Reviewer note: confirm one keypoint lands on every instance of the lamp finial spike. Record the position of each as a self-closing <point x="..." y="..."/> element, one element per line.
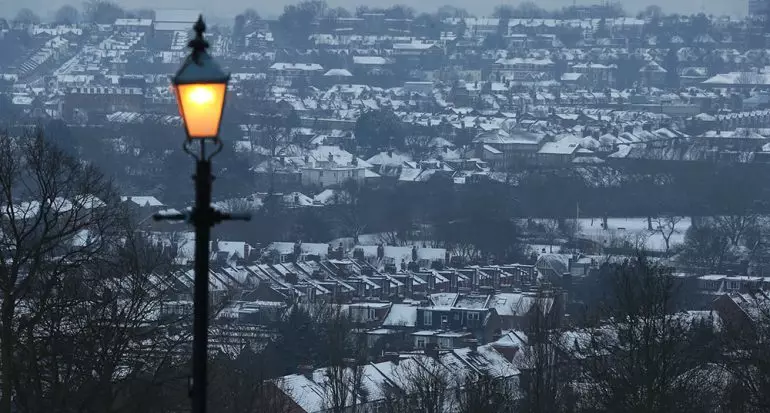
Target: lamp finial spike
<point x="200" y="26"/>
<point x="198" y="44"/>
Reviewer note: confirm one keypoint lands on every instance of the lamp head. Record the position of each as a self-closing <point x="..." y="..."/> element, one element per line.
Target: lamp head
<point x="200" y="86"/>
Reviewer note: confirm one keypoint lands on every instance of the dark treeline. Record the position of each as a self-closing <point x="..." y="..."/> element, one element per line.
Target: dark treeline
<point x="439" y="211"/>
<point x="692" y="191"/>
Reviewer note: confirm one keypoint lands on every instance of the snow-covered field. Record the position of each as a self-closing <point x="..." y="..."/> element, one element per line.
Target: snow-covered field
<point x="631" y="229"/>
<point x="634" y="230"/>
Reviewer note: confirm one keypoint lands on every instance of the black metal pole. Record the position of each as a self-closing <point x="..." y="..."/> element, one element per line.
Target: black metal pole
<point x="203" y="220"/>
<point x="203" y="217"/>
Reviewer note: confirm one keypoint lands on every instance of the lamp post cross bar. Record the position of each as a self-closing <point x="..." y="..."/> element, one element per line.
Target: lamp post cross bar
<point x="203" y="217"/>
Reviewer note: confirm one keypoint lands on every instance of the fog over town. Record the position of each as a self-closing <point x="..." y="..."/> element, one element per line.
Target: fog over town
<point x="319" y="207"/>
<point x="227" y="8"/>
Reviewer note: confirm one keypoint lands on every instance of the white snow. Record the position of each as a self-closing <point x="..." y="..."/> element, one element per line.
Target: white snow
<point x="401" y="315"/>
<point x="634" y="230"/>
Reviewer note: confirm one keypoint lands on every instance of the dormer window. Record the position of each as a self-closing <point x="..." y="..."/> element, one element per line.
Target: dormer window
<point x="427" y="318"/>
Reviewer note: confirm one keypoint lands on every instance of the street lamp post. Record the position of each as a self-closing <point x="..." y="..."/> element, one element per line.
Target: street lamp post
<point x="201" y="86"/>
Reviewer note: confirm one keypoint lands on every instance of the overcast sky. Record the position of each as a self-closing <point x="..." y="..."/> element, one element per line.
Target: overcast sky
<point x="228" y="8"/>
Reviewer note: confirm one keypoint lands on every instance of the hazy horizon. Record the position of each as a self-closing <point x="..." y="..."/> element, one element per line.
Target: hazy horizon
<point x="229" y="8"/>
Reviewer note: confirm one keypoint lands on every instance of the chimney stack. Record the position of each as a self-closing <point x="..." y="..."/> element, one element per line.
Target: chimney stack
<point x="473" y="344"/>
<point x="306" y="370"/>
<point x="392" y="357"/>
<point x="431" y="350"/>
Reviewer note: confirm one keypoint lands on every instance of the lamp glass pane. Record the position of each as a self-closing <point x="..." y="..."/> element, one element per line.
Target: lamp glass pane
<point x="201" y="107"/>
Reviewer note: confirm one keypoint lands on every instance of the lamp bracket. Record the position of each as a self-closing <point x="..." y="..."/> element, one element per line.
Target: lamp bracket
<point x="200" y="154"/>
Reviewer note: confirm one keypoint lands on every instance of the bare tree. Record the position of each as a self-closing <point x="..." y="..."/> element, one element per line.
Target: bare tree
<point x="551" y="232"/>
<point x="275" y="129"/>
<point x="57" y="215"/>
<point x="243" y="384"/>
<point x="344" y="389"/>
<point x="546" y="370"/>
<point x="67" y="15"/>
<point x="707" y="246"/>
<point x="735" y="227"/>
<point x="102" y="11"/>
<point x="666" y="226"/>
<point x="346" y="355"/>
<point x="351" y="203"/>
<point x="421" y="385"/>
<point x="483" y="392"/>
<point x="746" y="358"/>
<point x="645" y="357"/>
<point x="570" y="228"/>
<point x="391" y="238"/>
<point x="237" y="205"/>
<point x="102" y="336"/>
<point x="27" y="16"/>
<point x="419" y="146"/>
<point x="750" y="78"/>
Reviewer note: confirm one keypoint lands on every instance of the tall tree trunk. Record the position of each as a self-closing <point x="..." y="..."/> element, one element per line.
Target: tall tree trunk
<point x="6" y="353"/>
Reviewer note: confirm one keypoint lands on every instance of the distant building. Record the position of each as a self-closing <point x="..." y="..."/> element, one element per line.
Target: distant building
<point x="329" y="166"/>
<point x="526" y="69"/>
<point x="134" y="25"/>
<point x="598" y="75"/>
<point x="758" y="8"/>
<point x="175" y="20"/>
<point x="286" y="73"/>
<point x="174" y="25"/>
<point x="81" y="103"/>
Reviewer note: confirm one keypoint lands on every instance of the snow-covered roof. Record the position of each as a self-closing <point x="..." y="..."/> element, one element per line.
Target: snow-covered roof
<point x="738" y="78"/>
<point x="404" y="254"/>
<point x="143" y="201"/>
<point x="570" y="77"/>
<point x="306" y="67"/>
<point x="286" y="248"/>
<point x="566" y="146"/>
<point x="401" y="315"/>
<point x="338" y="72"/>
<point x="134" y="22"/>
<point x="370" y="60"/>
<point x="389" y="158"/>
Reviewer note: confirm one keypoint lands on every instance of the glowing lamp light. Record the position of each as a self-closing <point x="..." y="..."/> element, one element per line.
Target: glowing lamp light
<point x="200" y="86"/>
<point x="201" y="108"/>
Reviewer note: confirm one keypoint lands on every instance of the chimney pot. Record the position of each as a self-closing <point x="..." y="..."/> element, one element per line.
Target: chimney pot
<point x="306" y="370"/>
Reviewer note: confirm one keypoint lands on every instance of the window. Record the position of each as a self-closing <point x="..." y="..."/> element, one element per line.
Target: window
<point x="420" y="342"/>
<point x="457" y="316"/>
<point x="444" y="319"/>
<point x="427" y="318"/>
<point x="473" y="316"/>
<point x="734" y="285"/>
